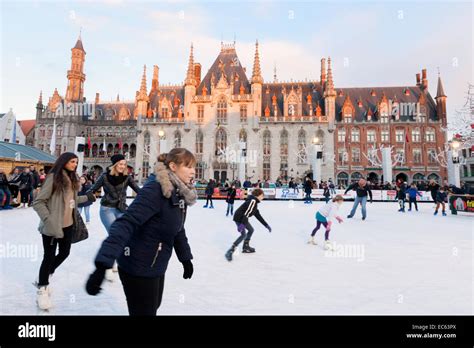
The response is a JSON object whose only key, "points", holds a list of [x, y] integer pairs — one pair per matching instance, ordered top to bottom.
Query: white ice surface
{"points": [[412, 263]]}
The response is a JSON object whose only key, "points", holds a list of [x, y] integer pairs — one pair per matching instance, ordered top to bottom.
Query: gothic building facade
{"points": [[241, 127]]}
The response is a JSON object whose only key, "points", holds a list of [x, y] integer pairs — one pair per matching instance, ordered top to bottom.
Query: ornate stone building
{"points": [[242, 127]]}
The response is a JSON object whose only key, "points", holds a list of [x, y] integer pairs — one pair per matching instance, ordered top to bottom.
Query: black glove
{"points": [[91, 196], [188, 269], [94, 281]]}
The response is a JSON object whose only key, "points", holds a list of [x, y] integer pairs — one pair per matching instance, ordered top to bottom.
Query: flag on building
{"points": [[89, 146], [104, 147]]}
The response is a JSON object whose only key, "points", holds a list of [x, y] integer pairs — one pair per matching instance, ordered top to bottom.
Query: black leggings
{"points": [[14, 191], [25, 195], [209, 198], [244, 235], [51, 261], [143, 294]]}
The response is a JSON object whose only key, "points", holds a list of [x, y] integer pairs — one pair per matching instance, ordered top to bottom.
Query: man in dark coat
{"points": [[362, 191]]}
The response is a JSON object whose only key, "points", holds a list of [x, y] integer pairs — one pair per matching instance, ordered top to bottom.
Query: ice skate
{"points": [[312, 241], [328, 245], [247, 249], [228, 254], [42, 298]]}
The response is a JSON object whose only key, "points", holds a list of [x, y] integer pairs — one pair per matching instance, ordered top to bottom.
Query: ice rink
{"points": [[392, 263]]}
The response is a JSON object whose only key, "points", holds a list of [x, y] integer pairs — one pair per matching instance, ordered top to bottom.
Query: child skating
{"points": [[412, 193], [441, 197], [324, 216], [241, 218]]}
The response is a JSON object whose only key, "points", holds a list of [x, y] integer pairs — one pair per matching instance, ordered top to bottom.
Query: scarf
{"points": [[170, 181]]}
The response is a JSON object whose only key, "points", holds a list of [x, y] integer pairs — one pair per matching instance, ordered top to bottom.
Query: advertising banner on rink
{"points": [[288, 193]]}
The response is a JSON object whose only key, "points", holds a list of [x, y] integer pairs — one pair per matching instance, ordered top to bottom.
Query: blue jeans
{"points": [[5, 192], [363, 202], [230, 207], [87, 210], [108, 215]]}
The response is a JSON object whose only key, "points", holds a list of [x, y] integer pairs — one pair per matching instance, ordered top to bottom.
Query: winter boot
{"points": [[247, 248], [228, 254], [42, 298]]}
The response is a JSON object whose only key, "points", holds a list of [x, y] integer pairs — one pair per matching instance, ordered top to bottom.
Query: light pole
{"points": [[316, 158], [454, 176]]}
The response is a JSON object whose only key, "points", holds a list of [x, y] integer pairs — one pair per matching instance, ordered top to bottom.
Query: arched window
{"points": [[222, 111], [59, 131], [42, 132], [50, 132], [341, 135], [355, 135], [415, 135], [320, 136], [371, 136], [430, 136], [177, 139], [221, 141], [147, 142], [199, 142], [267, 143], [284, 143], [95, 150], [110, 150], [133, 150], [302, 154], [356, 176], [434, 176], [418, 178], [343, 179]]}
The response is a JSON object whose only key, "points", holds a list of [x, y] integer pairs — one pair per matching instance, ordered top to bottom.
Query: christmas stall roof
{"points": [[11, 150]]}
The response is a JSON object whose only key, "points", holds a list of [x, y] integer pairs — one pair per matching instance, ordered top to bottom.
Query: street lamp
{"points": [[453, 163]]}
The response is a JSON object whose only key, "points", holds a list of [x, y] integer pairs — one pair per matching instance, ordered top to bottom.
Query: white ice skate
{"points": [[312, 241], [328, 245], [115, 267], [109, 275], [42, 298]]}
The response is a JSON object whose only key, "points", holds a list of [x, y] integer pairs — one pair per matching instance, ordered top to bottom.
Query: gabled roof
{"points": [[229, 62], [27, 126], [10, 150]]}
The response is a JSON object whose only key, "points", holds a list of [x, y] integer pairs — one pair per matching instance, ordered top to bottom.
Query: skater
{"points": [[25, 180], [115, 182], [13, 184], [35, 184], [85, 186], [433, 187], [308, 188], [332, 188], [362, 190], [4, 191], [209, 192], [231, 193], [326, 193], [412, 193], [401, 195], [441, 198], [56, 206], [324, 216], [241, 218], [150, 228]]}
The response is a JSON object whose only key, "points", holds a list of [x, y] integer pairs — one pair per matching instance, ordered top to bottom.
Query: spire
{"points": [[79, 42], [323, 71], [275, 73], [256, 74], [190, 78], [154, 82], [330, 82], [440, 91], [143, 94], [118, 97], [40, 100]]}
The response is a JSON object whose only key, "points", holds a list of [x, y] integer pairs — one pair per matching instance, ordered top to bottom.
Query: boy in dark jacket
{"points": [[209, 192], [231, 193], [412, 193], [401, 195], [441, 197], [241, 218]]}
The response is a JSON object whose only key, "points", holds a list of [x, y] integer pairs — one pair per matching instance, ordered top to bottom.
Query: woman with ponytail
{"points": [[56, 205], [143, 238]]}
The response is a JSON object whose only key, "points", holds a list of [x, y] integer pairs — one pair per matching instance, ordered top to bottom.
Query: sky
{"points": [[371, 44]]}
